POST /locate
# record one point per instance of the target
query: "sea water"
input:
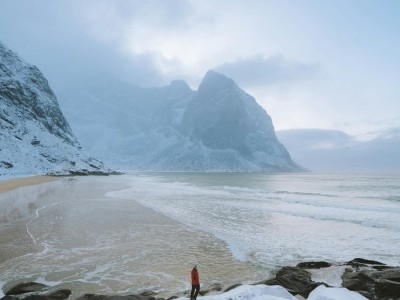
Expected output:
(130, 233)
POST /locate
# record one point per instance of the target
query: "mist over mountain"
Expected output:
(35, 138)
(173, 128)
(336, 151)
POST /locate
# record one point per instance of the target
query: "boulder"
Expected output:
(359, 281)
(387, 289)
(57, 295)
(373, 284)
(26, 287)
(296, 280)
(148, 293)
(361, 262)
(392, 274)
(9, 298)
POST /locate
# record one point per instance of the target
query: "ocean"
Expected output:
(145, 231)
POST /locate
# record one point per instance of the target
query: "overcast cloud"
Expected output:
(258, 71)
(310, 64)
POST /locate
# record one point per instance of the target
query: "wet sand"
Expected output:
(69, 234)
(12, 184)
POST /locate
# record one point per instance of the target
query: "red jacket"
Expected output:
(195, 277)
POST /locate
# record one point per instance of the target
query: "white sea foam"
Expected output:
(258, 223)
(110, 244)
(36, 216)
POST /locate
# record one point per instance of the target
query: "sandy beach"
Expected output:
(128, 234)
(69, 233)
(11, 184)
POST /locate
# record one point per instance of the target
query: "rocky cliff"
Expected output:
(35, 137)
(173, 128)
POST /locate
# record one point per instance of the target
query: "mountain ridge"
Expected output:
(35, 137)
(219, 127)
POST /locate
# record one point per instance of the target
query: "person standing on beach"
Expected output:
(195, 284)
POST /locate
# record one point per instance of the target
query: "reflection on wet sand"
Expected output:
(69, 233)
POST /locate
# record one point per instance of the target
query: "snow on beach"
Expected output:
(265, 292)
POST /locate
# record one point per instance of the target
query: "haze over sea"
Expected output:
(129, 233)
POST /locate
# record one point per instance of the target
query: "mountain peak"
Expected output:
(213, 81)
(214, 74)
(179, 84)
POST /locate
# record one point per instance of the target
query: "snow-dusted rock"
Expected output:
(35, 138)
(172, 128)
(253, 292)
(327, 293)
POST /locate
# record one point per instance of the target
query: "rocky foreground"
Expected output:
(370, 279)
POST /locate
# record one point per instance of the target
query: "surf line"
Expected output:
(35, 217)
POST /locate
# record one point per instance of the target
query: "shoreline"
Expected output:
(80, 202)
(9, 184)
(85, 189)
(361, 279)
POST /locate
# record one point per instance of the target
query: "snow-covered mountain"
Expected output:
(172, 128)
(35, 138)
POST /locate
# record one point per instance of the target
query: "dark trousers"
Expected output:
(195, 291)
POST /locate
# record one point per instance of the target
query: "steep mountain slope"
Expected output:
(172, 128)
(35, 138)
(125, 125)
(226, 120)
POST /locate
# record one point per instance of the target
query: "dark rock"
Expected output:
(173, 298)
(148, 293)
(381, 268)
(9, 298)
(372, 284)
(391, 274)
(114, 297)
(26, 287)
(295, 280)
(314, 265)
(35, 143)
(57, 295)
(360, 282)
(363, 262)
(232, 287)
(6, 164)
(387, 289)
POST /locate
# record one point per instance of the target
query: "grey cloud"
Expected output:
(167, 13)
(263, 71)
(335, 151)
(54, 36)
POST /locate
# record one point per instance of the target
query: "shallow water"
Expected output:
(70, 234)
(278, 219)
(125, 234)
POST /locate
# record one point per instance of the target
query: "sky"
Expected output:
(311, 64)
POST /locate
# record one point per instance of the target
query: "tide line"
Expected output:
(35, 217)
